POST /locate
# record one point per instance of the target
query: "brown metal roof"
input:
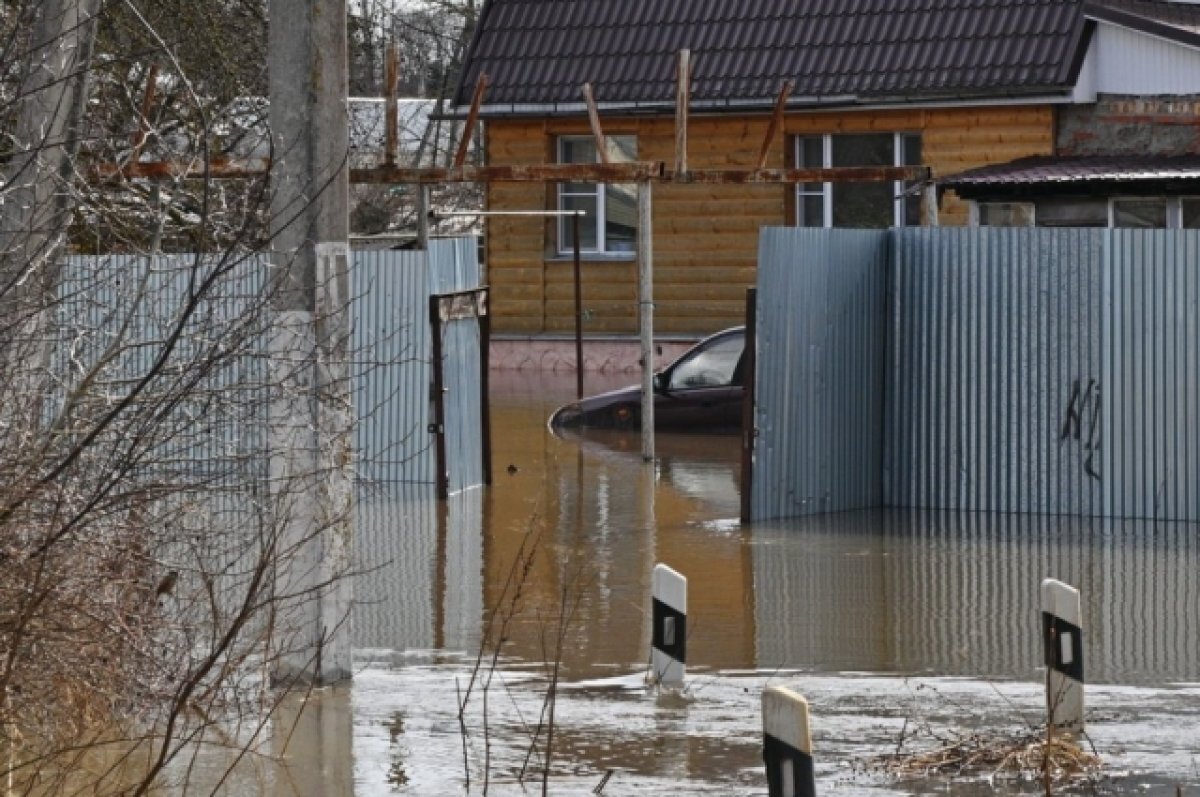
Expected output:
(1047, 172)
(539, 52)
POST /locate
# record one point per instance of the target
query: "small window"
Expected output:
(1149, 214)
(866, 204)
(609, 223)
(1072, 212)
(1190, 213)
(1006, 214)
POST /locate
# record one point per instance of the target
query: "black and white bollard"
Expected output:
(668, 639)
(1062, 635)
(787, 744)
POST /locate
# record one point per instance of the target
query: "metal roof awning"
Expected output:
(1048, 174)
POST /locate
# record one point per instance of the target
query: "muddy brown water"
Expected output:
(888, 620)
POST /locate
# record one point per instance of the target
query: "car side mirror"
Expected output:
(660, 383)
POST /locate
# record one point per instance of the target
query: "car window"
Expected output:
(712, 366)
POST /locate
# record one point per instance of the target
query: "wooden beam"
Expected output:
(785, 91)
(468, 133)
(594, 120)
(391, 80)
(683, 96)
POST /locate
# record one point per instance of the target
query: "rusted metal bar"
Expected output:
(218, 168)
(391, 81)
(533, 173)
(594, 120)
(468, 133)
(139, 136)
(654, 171)
(837, 174)
(683, 96)
(785, 91)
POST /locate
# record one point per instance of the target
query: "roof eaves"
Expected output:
(1037, 94)
(1133, 21)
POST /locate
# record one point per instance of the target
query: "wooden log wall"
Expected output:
(705, 236)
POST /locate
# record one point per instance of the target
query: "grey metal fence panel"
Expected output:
(118, 315)
(454, 266)
(819, 391)
(1027, 370)
(1150, 443)
(994, 358)
(392, 371)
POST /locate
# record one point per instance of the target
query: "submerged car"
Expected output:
(701, 392)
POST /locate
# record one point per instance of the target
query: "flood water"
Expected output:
(890, 622)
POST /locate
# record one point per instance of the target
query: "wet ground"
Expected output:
(899, 627)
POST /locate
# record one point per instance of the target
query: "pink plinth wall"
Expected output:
(600, 355)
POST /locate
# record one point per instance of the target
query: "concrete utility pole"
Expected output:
(311, 413)
(39, 196)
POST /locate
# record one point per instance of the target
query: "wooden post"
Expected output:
(578, 310)
(438, 427)
(748, 376)
(668, 641)
(645, 254)
(931, 205)
(391, 125)
(464, 143)
(683, 92)
(787, 744)
(776, 122)
(1062, 636)
(594, 120)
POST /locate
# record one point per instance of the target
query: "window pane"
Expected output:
(620, 213)
(1144, 213)
(910, 155)
(863, 204)
(621, 149)
(587, 224)
(872, 149)
(1072, 212)
(1191, 214)
(811, 209)
(811, 151)
(1005, 214)
(577, 149)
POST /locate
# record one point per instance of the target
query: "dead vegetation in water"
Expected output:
(1023, 755)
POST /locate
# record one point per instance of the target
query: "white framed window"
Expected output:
(879, 204)
(609, 223)
(1155, 212)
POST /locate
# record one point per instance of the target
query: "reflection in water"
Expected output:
(957, 593)
(883, 591)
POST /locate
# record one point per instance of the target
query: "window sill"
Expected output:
(594, 257)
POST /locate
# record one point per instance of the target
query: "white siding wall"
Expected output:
(1128, 62)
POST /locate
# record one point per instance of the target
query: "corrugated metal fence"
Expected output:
(1027, 370)
(117, 311)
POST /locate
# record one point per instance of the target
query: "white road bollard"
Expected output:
(787, 744)
(668, 639)
(1062, 635)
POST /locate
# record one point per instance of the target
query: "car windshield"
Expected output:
(712, 366)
